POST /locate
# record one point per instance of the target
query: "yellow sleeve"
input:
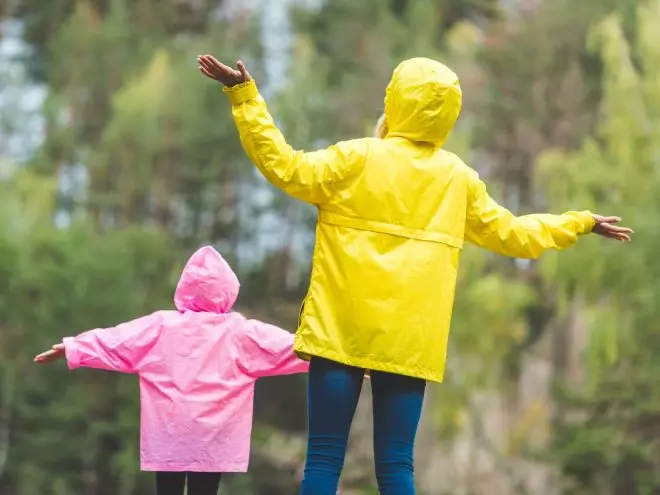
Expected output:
(495, 228)
(311, 177)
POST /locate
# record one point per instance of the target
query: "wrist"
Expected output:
(241, 92)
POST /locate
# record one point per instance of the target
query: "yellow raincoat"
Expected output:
(393, 215)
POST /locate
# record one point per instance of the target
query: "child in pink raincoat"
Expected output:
(197, 367)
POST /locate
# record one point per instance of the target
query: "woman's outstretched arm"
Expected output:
(495, 228)
(313, 177)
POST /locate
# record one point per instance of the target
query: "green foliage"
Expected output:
(53, 286)
(609, 442)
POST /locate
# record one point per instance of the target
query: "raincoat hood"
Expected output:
(422, 101)
(207, 284)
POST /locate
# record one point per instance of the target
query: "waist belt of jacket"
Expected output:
(391, 229)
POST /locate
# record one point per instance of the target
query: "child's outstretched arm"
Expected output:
(493, 227)
(311, 177)
(121, 348)
(267, 350)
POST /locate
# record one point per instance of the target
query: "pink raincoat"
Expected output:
(197, 367)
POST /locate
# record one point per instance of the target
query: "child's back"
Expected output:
(197, 368)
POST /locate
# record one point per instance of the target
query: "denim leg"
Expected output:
(333, 393)
(397, 403)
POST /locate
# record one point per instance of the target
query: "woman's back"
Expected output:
(386, 262)
(387, 258)
(413, 188)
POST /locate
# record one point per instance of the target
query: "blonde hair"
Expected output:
(381, 129)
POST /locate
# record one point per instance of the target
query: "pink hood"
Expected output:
(207, 284)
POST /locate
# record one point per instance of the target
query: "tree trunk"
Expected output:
(6, 403)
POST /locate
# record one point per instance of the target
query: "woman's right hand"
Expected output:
(55, 353)
(606, 227)
(212, 68)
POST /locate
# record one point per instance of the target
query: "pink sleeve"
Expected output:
(267, 350)
(120, 348)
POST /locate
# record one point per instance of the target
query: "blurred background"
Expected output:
(118, 159)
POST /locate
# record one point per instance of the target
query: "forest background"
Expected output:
(117, 160)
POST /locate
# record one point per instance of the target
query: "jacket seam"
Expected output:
(456, 241)
(309, 298)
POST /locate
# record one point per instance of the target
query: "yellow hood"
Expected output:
(422, 101)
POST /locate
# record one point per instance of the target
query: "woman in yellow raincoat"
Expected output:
(394, 212)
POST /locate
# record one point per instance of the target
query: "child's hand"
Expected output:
(605, 227)
(216, 70)
(56, 352)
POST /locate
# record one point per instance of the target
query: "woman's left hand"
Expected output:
(216, 70)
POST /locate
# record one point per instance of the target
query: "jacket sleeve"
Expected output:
(121, 348)
(495, 228)
(267, 350)
(313, 177)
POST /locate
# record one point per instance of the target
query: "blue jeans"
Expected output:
(333, 395)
